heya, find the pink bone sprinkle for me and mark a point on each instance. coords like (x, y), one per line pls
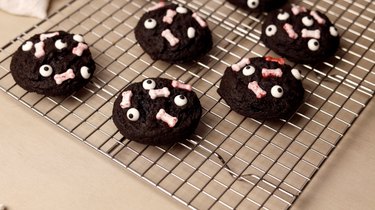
(157, 6)
(310, 33)
(258, 91)
(272, 72)
(177, 84)
(289, 30)
(46, 36)
(297, 9)
(238, 66)
(316, 16)
(39, 49)
(168, 18)
(126, 97)
(60, 78)
(79, 49)
(201, 22)
(281, 61)
(154, 93)
(167, 34)
(165, 117)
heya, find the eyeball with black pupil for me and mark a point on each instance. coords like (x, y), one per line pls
(296, 74)
(248, 70)
(150, 23)
(45, 70)
(283, 16)
(252, 4)
(60, 45)
(132, 114)
(307, 21)
(277, 91)
(85, 73)
(148, 84)
(333, 31)
(271, 30)
(180, 100)
(313, 44)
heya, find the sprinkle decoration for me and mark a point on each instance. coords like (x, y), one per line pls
(165, 117)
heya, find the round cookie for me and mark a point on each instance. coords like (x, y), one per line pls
(53, 63)
(300, 35)
(157, 111)
(173, 33)
(258, 5)
(262, 88)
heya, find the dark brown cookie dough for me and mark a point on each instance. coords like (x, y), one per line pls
(174, 34)
(157, 111)
(258, 5)
(300, 35)
(53, 63)
(262, 88)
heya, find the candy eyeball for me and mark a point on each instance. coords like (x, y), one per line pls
(181, 10)
(252, 4)
(78, 38)
(191, 32)
(333, 31)
(307, 21)
(132, 114)
(277, 91)
(27, 46)
(283, 16)
(60, 45)
(297, 74)
(85, 73)
(248, 70)
(150, 23)
(313, 44)
(148, 84)
(271, 30)
(45, 70)
(180, 100)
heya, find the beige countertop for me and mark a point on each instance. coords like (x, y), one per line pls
(42, 167)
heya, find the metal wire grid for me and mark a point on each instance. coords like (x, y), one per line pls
(231, 161)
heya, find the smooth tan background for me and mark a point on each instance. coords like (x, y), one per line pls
(42, 167)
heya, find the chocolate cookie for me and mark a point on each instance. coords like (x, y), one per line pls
(262, 88)
(258, 5)
(53, 63)
(300, 35)
(157, 111)
(173, 33)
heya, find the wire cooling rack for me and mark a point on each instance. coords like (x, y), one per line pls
(230, 161)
